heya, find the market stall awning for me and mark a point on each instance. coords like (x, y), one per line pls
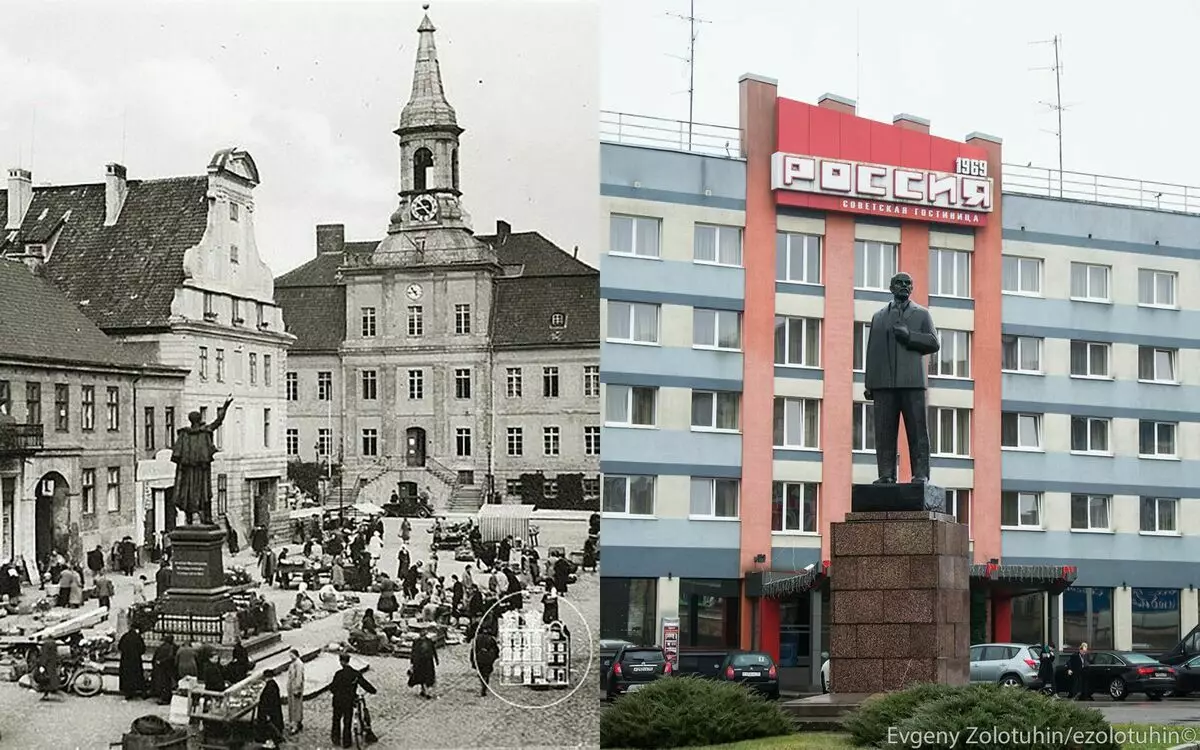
(299, 513)
(774, 584)
(1023, 579)
(498, 521)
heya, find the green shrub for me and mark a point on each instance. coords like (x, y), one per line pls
(983, 717)
(687, 711)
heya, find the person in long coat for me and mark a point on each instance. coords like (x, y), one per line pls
(127, 552)
(506, 545)
(71, 583)
(239, 666)
(562, 575)
(295, 692)
(162, 580)
(424, 661)
(268, 717)
(387, 603)
(485, 652)
(405, 530)
(549, 605)
(133, 676)
(410, 581)
(165, 675)
(185, 661)
(46, 676)
(95, 560)
(268, 566)
(512, 589)
(405, 559)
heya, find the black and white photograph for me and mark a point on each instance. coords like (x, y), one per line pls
(299, 375)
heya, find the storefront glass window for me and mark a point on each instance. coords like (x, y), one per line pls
(709, 613)
(1088, 616)
(630, 611)
(1155, 620)
(795, 629)
(1028, 613)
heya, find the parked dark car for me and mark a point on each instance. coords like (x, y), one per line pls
(635, 667)
(754, 669)
(1187, 649)
(1117, 674)
(707, 664)
(608, 649)
(1187, 677)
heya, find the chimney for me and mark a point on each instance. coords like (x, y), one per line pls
(20, 195)
(575, 255)
(331, 238)
(115, 191)
(911, 122)
(503, 230)
(838, 104)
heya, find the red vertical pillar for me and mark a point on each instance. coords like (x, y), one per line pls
(837, 415)
(768, 626)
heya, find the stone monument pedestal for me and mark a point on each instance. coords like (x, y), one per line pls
(197, 573)
(900, 592)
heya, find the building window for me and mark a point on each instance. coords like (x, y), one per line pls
(292, 438)
(1155, 619)
(949, 431)
(260, 314)
(210, 300)
(233, 211)
(716, 410)
(148, 427)
(1157, 439)
(797, 258)
(714, 498)
(203, 363)
(462, 383)
(874, 264)
(368, 322)
(234, 255)
(513, 382)
(797, 342)
(222, 493)
(253, 368)
(1160, 515)
(1157, 365)
(370, 441)
(112, 408)
(416, 321)
(1090, 435)
(953, 359)
(1021, 276)
(797, 423)
(462, 442)
(325, 386)
(1021, 431)
(33, 403)
(220, 365)
(631, 609)
(591, 441)
(1089, 282)
(370, 385)
(266, 428)
(267, 370)
(88, 492)
(630, 406)
(112, 495)
(462, 319)
(324, 441)
(62, 407)
(235, 311)
(169, 424)
(515, 440)
(1021, 510)
(628, 495)
(718, 245)
(551, 441)
(88, 415)
(1088, 616)
(550, 382)
(862, 335)
(1157, 288)
(794, 507)
(717, 329)
(416, 384)
(949, 272)
(291, 386)
(864, 427)
(1090, 513)
(632, 322)
(1089, 359)
(5, 398)
(634, 235)
(591, 381)
(1022, 354)
(958, 503)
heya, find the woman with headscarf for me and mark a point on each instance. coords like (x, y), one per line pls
(375, 547)
(304, 603)
(133, 675)
(268, 717)
(337, 575)
(406, 530)
(164, 674)
(239, 666)
(387, 603)
(424, 660)
(45, 675)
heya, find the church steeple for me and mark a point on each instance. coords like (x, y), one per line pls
(427, 107)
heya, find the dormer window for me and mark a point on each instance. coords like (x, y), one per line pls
(233, 211)
(38, 250)
(233, 254)
(558, 320)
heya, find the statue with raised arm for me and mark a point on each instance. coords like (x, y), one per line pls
(193, 454)
(901, 335)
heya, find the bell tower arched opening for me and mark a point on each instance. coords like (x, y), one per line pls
(422, 163)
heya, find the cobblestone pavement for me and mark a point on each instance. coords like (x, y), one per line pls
(458, 718)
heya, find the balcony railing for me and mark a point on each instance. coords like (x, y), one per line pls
(674, 135)
(20, 438)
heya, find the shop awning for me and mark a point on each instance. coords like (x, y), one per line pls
(1023, 579)
(775, 584)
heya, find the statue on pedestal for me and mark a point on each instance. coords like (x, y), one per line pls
(901, 335)
(193, 454)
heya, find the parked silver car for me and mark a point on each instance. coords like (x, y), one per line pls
(1010, 664)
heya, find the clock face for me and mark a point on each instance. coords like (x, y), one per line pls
(424, 208)
(413, 291)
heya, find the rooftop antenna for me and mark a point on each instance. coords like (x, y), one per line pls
(691, 62)
(1057, 105)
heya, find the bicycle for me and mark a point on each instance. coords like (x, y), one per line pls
(361, 724)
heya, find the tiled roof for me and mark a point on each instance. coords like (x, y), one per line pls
(123, 276)
(321, 270)
(538, 255)
(524, 308)
(37, 322)
(315, 315)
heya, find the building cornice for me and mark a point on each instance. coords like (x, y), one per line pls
(72, 366)
(247, 334)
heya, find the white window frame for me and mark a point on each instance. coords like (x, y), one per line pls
(416, 384)
(514, 441)
(635, 222)
(791, 243)
(1022, 420)
(865, 427)
(591, 381)
(719, 318)
(721, 236)
(291, 386)
(628, 481)
(324, 441)
(1039, 502)
(861, 328)
(551, 383)
(954, 498)
(415, 321)
(1090, 450)
(960, 434)
(1089, 375)
(112, 489)
(514, 382)
(464, 385)
(950, 341)
(369, 322)
(1158, 501)
(1105, 500)
(591, 440)
(1021, 343)
(369, 385)
(711, 484)
(369, 437)
(1159, 425)
(324, 385)
(463, 436)
(1154, 352)
(887, 266)
(625, 393)
(808, 327)
(462, 319)
(714, 397)
(804, 489)
(802, 442)
(1155, 274)
(1020, 261)
(631, 308)
(88, 492)
(1090, 295)
(940, 256)
(551, 441)
(291, 439)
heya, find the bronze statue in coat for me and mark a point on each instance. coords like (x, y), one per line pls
(193, 454)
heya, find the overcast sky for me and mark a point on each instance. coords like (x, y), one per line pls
(964, 66)
(312, 90)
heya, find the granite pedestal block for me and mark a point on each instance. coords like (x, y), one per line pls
(884, 498)
(198, 573)
(900, 614)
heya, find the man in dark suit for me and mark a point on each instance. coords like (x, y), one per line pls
(344, 689)
(901, 335)
(1076, 669)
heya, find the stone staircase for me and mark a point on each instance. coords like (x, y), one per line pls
(466, 498)
(375, 482)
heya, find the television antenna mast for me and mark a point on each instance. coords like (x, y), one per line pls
(1057, 105)
(693, 32)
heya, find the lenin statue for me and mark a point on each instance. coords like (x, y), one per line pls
(901, 335)
(193, 456)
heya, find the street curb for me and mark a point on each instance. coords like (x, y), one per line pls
(1186, 746)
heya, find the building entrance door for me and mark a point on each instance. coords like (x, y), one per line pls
(51, 521)
(414, 446)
